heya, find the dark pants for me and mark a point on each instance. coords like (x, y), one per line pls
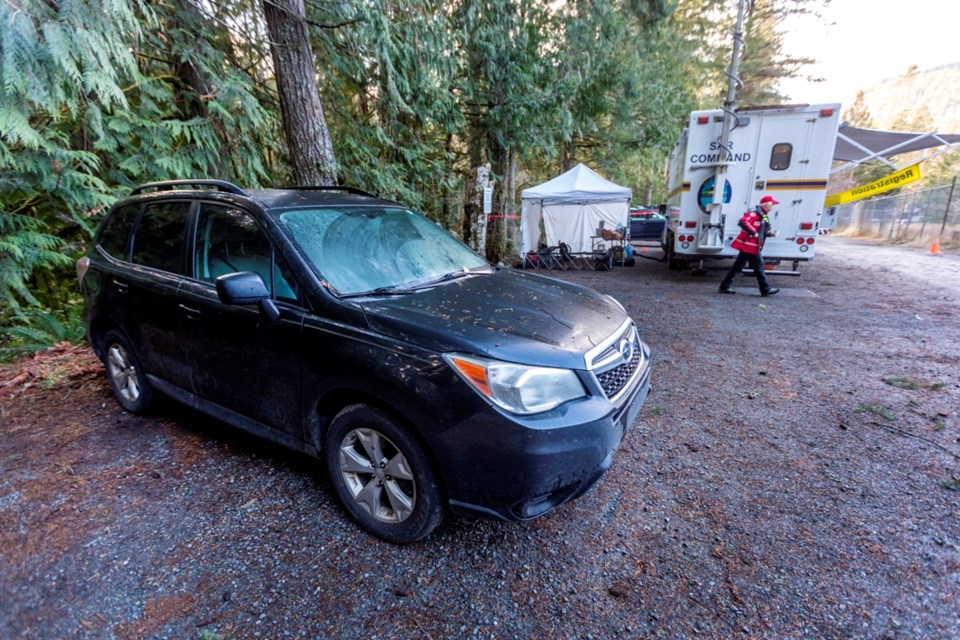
(755, 262)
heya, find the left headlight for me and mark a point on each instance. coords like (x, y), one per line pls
(517, 388)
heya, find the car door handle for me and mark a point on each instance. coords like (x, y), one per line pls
(190, 311)
(122, 287)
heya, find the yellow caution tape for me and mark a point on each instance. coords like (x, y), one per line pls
(888, 183)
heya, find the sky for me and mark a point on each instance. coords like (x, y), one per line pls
(860, 43)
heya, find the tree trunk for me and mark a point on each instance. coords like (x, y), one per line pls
(511, 222)
(308, 138)
(472, 210)
(568, 152)
(499, 234)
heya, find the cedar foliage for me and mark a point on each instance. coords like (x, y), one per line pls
(93, 101)
(99, 95)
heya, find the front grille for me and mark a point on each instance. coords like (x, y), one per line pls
(608, 365)
(614, 380)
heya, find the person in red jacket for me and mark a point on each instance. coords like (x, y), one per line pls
(755, 227)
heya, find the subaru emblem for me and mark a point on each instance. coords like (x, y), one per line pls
(626, 350)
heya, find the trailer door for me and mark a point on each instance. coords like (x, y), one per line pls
(782, 169)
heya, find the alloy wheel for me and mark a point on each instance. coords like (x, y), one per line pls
(378, 475)
(123, 372)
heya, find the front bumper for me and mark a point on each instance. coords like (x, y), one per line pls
(514, 468)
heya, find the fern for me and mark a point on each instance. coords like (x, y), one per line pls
(24, 247)
(88, 107)
(35, 329)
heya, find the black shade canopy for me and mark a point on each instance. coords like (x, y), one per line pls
(855, 144)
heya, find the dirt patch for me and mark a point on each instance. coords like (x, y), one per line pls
(64, 362)
(794, 474)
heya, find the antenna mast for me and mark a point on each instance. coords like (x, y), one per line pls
(730, 122)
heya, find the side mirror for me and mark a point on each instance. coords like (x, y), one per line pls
(247, 287)
(244, 287)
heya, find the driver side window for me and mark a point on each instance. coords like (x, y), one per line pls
(230, 240)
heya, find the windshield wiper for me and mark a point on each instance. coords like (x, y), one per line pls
(412, 287)
(453, 275)
(391, 290)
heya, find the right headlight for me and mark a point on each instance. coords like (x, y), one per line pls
(518, 388)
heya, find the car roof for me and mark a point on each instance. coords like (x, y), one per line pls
(282, 198)
(309, 196)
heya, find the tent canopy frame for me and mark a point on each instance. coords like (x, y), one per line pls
(857, 145)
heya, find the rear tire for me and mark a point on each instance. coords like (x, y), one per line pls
(674, 263)
(669, 253)
(126, 375)
(381, 475)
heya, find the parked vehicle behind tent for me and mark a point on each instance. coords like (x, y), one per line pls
(646, 223)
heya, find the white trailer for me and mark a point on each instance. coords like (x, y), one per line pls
(785, 151)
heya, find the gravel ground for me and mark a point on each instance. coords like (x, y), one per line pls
(794, 474)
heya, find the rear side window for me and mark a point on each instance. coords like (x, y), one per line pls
(158, 242)
(115, 234)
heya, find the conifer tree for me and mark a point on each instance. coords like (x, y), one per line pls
(312, 160)
(93, 99)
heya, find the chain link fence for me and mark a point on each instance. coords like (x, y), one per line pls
(923, 215)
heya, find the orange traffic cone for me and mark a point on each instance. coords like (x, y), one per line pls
(935, 248)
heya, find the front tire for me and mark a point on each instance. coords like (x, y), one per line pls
(126, 375)
(381, 475)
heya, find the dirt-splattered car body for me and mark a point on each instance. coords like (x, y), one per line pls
(355, 330)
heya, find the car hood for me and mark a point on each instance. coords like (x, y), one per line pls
(509, 315)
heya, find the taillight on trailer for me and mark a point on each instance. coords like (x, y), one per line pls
(810, 240)
(703, 119)
(690, 224)
(826, 113)
(806, 226)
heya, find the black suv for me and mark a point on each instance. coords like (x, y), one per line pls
(359, 332)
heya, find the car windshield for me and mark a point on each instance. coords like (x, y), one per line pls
(361, 250)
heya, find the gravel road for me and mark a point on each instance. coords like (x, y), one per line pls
(794, 474)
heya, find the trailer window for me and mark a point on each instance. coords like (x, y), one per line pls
(780, 156)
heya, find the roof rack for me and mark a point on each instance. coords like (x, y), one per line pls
(353, 190)
(216, 185)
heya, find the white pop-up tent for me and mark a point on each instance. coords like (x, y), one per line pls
(572, 205)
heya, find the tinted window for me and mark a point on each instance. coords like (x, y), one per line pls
(115, 234)
(285, 285)
(780, 156)
(230, 240)
(159, 239)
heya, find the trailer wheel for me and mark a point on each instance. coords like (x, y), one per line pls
(673, 262)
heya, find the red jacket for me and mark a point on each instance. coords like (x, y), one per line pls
(755, 225)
